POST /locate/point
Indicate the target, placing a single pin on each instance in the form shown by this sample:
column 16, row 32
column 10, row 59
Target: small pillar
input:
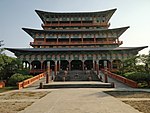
column 41, row 85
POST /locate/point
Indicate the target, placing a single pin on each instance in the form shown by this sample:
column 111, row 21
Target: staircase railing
column 30, row 81
column 122, row 79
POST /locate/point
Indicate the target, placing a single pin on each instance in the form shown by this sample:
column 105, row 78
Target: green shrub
column 15, row 78
column 143, row 79
column 137, row 76
column 23, row 72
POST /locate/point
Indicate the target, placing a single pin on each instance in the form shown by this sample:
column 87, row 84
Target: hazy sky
column 16, row 14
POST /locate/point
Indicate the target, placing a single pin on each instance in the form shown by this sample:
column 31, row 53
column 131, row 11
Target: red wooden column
column 93, row 65
column 48, row 78
column 55, row 70
column 94, row 38
column 83, row 65
column 41, row 65
column 105, row 67
column 97, row 67
column 58, row 65
column 30, row 66
column 82, row 38
column 69, row 65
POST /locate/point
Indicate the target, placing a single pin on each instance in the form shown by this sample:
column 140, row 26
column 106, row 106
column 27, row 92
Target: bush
column 143, row 79
column 137, row 76
column 15, row 78
column 23, row 72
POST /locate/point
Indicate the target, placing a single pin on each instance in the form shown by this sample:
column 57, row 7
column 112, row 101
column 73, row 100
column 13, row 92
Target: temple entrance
column 36, row 64
column 64, row 64
column 101, row 64
column 52, row 64
column 88, row 64
column 76, row 65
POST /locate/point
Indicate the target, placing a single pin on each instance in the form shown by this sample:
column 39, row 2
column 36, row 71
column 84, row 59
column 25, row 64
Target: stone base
column 89, row 84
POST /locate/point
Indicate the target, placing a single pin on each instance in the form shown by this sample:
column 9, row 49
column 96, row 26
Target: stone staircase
column 77, row 79
column 77, row 75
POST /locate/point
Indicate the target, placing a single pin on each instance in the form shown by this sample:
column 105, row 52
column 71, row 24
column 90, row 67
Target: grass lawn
column 7, row 89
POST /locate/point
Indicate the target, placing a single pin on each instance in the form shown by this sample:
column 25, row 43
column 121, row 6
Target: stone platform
column 78, row 84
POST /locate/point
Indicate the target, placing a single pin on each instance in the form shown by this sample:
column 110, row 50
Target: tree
column 8, row 66
column 145, row 60
column 129, row 65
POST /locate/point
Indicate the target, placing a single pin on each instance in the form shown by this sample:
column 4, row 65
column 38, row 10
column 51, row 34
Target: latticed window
column 51, row 36
column 114, row 34
column 87, row 18
column 64, row 19
column 39, row 35
column 75, row 36
column 88, row 36
column 100, row 35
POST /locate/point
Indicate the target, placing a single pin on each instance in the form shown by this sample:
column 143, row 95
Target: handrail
column 30, row 81
column 122, row 79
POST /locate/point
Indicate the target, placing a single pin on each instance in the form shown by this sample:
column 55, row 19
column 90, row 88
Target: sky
column 17, row 14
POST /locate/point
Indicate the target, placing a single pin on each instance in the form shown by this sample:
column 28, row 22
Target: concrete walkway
column 79, row 101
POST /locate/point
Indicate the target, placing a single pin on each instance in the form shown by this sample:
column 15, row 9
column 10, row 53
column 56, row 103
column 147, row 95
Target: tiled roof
column 33, row 31
column 73, row 49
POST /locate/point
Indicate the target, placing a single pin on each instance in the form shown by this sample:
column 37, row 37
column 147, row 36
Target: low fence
column 30, row 81
column 124, row 80
column 2, row 84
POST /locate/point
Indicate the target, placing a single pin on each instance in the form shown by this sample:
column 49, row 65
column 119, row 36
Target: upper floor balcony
column 70, row 43
column 102, row 24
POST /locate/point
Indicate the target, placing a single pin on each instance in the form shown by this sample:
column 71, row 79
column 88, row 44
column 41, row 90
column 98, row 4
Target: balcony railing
column 75, row 43
column 75, row 24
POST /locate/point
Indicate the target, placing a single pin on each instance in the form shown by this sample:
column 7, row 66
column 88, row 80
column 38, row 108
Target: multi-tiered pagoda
column 75, row 41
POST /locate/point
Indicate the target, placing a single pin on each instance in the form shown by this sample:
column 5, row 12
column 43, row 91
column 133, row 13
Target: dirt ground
column 13, row 107
column 17, row 101
column 138, row 103
column 129, row 94
column 142, row 106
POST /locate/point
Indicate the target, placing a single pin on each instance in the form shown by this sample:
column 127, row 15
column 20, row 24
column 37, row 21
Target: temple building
column 74, row 41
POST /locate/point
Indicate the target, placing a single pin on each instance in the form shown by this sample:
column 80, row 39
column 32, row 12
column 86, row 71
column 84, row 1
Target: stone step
column 78, row 75
column 78, row 85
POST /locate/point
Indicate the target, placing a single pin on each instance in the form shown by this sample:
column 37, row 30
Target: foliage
column 137, row 68
column 23, row 71
column 139, row 77
column 129, row 65
column 8, row 66
column 15, row 78
column 145, row 59
column 139, row 63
